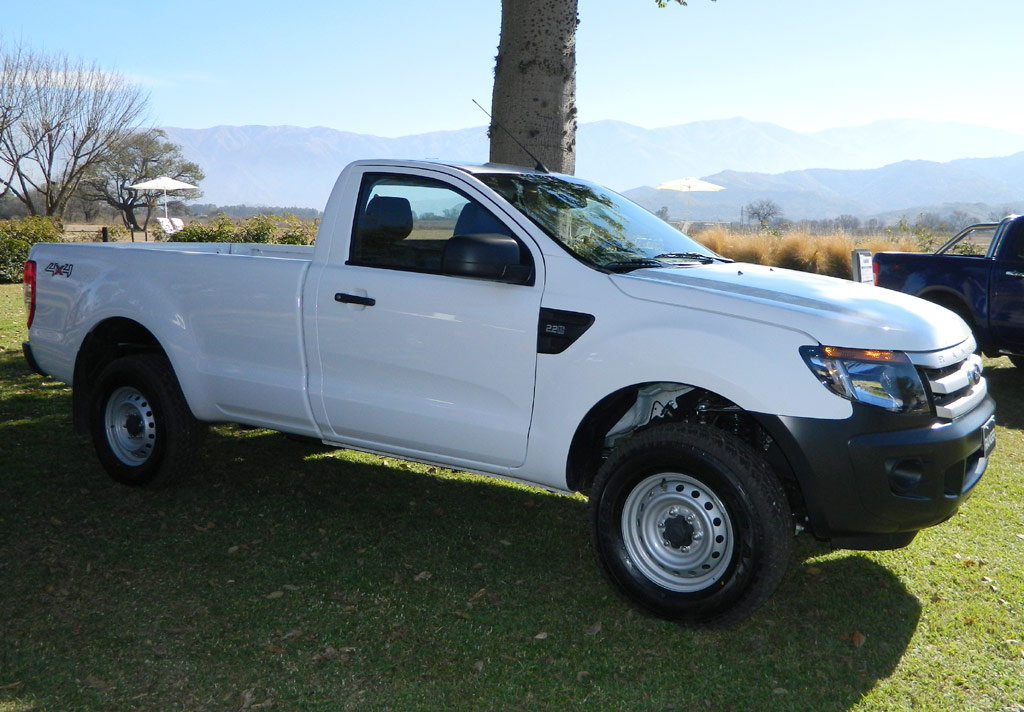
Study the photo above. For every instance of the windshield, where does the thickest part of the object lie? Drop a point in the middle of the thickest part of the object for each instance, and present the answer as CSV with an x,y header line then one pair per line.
x,y
597,225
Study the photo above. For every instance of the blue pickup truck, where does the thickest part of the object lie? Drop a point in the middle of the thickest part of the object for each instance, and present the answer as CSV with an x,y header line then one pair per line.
x,y
978,273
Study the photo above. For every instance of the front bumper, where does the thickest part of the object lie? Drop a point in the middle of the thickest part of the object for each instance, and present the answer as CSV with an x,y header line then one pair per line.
x,y
873,480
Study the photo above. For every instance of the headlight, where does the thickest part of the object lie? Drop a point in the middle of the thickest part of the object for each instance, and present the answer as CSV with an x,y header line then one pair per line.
x,y
886,379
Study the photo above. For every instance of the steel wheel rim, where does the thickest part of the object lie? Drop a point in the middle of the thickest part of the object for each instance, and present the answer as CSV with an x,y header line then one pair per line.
x,y
677,532
130,426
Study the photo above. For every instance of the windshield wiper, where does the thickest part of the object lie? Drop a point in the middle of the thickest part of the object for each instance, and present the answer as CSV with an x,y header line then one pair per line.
x,y
704,259
632,264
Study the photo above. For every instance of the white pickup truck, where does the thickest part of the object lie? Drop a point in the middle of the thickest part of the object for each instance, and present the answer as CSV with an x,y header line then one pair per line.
x,y
541,328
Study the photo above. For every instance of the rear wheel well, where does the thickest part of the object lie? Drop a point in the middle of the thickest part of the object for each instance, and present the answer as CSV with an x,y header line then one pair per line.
x,y
954,303
679,403
108,340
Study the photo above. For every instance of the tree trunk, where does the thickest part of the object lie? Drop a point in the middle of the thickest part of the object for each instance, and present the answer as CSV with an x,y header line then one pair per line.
x,y
534,95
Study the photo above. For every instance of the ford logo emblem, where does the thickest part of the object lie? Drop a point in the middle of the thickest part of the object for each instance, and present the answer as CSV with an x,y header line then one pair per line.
x,y
974,374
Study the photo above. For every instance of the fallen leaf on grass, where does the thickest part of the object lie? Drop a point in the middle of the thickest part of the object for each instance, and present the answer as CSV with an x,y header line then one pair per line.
x,y
856,637
204,527
478,666
541,636
12,685
290,587
275,594
422,576
593,629
582,675
478,595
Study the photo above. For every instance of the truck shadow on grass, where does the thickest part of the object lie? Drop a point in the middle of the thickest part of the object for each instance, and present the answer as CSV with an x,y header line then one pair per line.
x,y
295,574
1005,384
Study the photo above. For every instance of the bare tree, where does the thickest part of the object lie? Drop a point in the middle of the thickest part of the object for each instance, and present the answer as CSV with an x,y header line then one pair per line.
x,y
763,211
140,157
17,93
62,116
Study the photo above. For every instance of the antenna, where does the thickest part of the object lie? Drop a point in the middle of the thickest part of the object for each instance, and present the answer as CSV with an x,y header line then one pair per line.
x,y
540,166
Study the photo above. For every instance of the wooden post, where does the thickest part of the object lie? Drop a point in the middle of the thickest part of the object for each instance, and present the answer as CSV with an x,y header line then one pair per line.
x,y
106,233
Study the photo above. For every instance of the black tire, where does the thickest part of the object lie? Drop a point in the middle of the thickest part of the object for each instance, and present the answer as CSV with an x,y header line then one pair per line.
x,y
709,530
142,428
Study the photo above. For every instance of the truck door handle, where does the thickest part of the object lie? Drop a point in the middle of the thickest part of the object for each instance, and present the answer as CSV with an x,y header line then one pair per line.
x,y
1014,273
354,299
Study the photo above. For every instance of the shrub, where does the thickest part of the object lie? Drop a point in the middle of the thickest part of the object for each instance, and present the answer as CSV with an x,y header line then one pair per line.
x,y
795,251
298,232
193,232
33,229
824,254
220,229
17,238
13,253
833,256
258,228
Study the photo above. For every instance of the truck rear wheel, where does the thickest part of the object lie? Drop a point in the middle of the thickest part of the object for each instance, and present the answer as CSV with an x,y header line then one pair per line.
x,y
688,524
142,428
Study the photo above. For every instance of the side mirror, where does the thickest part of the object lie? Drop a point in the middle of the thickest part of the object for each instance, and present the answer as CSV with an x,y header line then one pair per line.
x,y
485,256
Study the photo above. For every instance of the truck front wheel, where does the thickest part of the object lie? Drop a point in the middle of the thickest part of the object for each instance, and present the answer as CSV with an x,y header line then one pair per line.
x,y
688,524
142,428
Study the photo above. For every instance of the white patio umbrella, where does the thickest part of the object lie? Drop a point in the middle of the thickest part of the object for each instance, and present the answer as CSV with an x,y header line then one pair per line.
x,y
690,185
164,184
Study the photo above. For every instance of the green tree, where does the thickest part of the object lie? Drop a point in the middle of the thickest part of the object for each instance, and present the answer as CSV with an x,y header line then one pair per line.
x,y
143,156
534,93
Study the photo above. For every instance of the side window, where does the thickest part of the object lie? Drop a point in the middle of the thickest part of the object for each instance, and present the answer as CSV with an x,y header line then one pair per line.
x,y
1014,241
404,222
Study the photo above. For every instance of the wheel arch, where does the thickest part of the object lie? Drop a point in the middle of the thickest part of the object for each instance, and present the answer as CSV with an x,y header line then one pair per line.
x,y
953,301
108,340
587,450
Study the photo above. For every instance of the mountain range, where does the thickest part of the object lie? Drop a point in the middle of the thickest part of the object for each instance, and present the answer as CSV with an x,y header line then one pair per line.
x,y
866,170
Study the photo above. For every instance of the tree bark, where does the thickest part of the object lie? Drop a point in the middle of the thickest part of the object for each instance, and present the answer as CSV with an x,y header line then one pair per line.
x,y
534,96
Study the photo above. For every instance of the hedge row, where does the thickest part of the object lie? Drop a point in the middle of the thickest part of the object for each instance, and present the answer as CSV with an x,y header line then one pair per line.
x,y
17,238
288,230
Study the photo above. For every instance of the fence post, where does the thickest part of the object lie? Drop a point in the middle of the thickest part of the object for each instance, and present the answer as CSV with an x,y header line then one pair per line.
x,y
106,233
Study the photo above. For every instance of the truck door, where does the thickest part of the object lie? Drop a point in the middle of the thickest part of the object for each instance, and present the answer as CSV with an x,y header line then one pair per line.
x,y
1006,289
414,361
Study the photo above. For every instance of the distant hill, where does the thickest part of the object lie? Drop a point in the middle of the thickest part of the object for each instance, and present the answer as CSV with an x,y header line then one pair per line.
x,y
977,186
287,165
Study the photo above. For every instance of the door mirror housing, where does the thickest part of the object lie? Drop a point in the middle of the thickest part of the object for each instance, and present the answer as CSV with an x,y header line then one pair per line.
x,y
486,256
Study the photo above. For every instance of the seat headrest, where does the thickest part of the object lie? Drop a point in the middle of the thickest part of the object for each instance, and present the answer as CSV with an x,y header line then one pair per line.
x,y
474,220
387,218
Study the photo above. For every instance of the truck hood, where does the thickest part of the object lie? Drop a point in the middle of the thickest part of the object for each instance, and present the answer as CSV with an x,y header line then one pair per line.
x,y
831,311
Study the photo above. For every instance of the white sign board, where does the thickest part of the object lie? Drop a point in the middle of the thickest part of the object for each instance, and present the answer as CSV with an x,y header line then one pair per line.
x,y
862,267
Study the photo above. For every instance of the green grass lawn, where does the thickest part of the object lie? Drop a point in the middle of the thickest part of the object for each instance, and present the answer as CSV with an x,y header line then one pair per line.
x,y
291,577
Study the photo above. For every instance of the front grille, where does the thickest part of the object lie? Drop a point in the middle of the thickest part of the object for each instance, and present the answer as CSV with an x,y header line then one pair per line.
x,y
954,379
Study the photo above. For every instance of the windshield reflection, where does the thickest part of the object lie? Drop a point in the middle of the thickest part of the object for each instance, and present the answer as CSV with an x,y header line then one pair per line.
x,y
598,226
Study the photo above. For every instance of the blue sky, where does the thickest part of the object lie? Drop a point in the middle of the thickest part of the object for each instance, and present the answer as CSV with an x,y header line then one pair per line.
x,y
399,67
